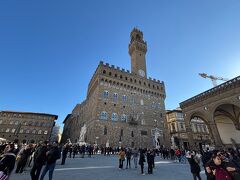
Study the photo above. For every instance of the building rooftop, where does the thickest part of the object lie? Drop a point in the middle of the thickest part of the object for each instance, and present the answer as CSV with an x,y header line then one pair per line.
x,y
7,111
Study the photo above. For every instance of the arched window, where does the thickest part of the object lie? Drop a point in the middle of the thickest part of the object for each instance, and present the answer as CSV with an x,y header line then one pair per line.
x,y
11,122
104,72
40,132
104,115
141,102
16,122
114,117
132,101
27,131
115,97
1,121
21,131
124,118
124,98
110,73
34,131
45,132
7,130
13,130
105,94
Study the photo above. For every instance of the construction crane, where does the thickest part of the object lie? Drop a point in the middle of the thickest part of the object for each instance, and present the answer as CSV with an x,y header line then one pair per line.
x,y
213,78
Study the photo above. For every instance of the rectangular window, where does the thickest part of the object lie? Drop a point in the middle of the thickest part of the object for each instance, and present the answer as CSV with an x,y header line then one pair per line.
x,y
115,97
144,133
124,98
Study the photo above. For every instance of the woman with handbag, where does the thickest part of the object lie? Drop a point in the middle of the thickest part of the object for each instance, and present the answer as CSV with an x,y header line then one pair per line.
x,y
7,162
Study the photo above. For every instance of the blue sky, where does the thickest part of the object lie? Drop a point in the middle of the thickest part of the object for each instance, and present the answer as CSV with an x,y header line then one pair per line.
x,y
50,49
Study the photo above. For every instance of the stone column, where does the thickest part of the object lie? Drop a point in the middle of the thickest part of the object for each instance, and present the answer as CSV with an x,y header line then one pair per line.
x,y
190,137
213,127
187,120
216,137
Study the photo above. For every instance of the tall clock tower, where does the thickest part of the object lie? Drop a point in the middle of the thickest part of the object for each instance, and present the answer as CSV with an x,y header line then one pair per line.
x,y
137,50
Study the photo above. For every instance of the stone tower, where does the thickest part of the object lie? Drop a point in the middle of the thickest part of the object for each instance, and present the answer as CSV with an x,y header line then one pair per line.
x,y
137,51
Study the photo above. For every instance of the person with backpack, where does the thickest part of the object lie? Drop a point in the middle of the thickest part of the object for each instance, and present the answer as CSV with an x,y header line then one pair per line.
x,y
52,155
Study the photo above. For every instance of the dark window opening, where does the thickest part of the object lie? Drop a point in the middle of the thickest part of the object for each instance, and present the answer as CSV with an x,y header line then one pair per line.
x,y
132,134
144,133
105,130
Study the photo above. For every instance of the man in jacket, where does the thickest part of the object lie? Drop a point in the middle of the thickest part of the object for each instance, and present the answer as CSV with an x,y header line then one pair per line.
x,y
39,160
52,155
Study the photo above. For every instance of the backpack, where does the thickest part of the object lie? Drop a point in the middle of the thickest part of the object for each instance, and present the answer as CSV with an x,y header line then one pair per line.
x,y
222,174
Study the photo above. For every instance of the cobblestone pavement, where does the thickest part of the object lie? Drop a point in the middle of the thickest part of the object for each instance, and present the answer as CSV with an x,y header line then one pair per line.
x,y
106,168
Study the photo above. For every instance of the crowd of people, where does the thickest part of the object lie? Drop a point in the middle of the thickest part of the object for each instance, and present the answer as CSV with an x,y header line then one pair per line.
x,y
43,153
42,157
217,164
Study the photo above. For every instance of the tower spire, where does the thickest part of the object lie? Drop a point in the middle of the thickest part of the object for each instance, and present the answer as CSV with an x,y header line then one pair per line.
x,y
137,49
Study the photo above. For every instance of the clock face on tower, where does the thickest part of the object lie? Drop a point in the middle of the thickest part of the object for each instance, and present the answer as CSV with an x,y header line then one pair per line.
x,y
141,73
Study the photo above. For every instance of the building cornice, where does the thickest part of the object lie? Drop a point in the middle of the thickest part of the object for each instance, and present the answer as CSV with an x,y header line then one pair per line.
x,y
227,86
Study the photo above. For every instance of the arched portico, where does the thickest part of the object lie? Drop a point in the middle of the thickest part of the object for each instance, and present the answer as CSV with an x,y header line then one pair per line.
x,y
227,119
219,108
211,131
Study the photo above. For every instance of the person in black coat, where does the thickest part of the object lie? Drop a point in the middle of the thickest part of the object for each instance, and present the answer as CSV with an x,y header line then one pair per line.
x,y
195,168
7,160
24,155
64,153
39,160
52,155
141,161
150,161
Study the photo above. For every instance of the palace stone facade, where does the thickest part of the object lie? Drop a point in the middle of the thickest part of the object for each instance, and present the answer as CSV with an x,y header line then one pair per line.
x,y
26,126
122,107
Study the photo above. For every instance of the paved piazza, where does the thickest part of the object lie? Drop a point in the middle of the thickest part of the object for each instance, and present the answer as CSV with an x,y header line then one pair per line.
x,y
106,168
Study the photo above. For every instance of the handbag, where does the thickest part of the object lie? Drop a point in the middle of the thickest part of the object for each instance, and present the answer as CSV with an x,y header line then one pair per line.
x,y
3,175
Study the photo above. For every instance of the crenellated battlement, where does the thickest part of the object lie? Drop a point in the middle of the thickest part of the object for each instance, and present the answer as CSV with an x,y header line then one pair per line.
x,y
107,66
